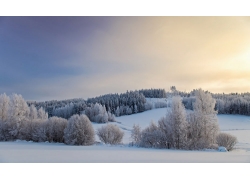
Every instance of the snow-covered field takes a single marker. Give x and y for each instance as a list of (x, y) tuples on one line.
[(22, 151)]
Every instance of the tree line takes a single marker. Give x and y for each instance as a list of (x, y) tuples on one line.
[(225, 103), (131, 102)]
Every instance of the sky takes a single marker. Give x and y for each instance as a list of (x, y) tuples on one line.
[(44, 58)]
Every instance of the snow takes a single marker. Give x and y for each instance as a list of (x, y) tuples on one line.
[(238, 125), (59, 153), (231, 122), (222, 149)]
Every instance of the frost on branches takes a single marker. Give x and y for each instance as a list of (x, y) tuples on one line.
[(181, 130), (79, 131)]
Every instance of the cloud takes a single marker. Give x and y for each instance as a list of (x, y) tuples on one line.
[(60, 58)]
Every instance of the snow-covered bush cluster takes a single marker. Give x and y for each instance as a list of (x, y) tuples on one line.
[(58, 108), (54, 129), (182, 130), (160, 104), (97, 113), (110, 134), (19, 121), (79, 131)]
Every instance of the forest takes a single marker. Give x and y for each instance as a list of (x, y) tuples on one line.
[(69, 121)]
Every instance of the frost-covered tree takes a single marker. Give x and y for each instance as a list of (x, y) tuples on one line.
[(79, 131), (65, 112), (110, 134), (123, 102), (160, 104), (128, 110), (111, 117), (148, 105), (18, 113), (117, 112), (33, 129), (136, 135), (55, 127), (135, 109), (33, 112), (176, 122), (4, 105), (153, 93), (39, 133), (203, 122), (42, 114), (20, 121), (97, 113), (151, 137)]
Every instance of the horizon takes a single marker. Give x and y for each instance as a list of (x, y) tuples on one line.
[(134, 90), (59, 58)]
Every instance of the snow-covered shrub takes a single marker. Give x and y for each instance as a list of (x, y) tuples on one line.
[(151, 136), (54, 128), (3, 131), (161, 104), (64, 112), (39, 131), (110, 134), (79, 131), (111, 117), (97, 113), (148, 106), (117, 112), (226, 140)]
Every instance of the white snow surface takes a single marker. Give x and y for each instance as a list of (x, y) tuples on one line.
[(238, 125)]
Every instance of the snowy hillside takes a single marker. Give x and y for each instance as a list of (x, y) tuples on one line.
[(22, 151)]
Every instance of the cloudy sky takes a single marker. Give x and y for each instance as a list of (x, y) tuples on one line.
[(45, 58)]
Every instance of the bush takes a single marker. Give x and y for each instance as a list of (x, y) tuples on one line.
[(161, 104), (55, 127), (151, 137), (79, 131), (110, 134), (226, 140), (97, 113), (148, 106)]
